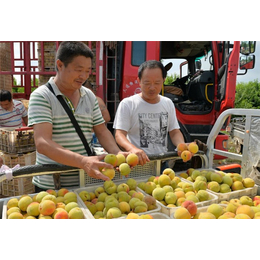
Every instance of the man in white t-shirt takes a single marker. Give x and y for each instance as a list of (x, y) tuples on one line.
[(143, 121), (12, 112)]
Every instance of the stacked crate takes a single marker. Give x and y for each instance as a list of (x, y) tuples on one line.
[(17, 147), (49, 53), (5, 65)]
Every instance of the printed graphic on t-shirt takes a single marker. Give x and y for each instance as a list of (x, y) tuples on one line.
[(153, 129)]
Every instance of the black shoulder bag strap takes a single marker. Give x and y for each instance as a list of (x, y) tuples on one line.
[(73, 120)]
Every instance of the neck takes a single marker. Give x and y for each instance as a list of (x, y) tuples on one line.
[(64, 89), (150, 101)]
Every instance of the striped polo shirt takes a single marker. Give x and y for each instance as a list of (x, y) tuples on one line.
[(13, 119), (45, 107)]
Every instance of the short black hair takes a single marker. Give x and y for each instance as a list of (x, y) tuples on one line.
[(5, 95), (68, 50), (151, 64)]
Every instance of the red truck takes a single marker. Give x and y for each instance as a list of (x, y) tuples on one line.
[(204, 89)]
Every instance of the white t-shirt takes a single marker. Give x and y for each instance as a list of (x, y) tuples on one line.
[(147, 125)]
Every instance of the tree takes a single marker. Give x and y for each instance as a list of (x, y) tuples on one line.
[(170, 79), (248, 95)]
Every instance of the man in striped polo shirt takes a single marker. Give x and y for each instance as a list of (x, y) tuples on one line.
[(55, 137), (12, 112)]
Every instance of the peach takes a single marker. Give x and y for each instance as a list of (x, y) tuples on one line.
[(40, 195), (132, 215), (13, 209), (132, 159), (113, 213), (132, 184), (193, 198), (237, 185), (180, 201), (170, 198), (184, 175), (47, 207), (76, 213), (158, 193), (15, 215), (60, 214), (111, 159), (33, 209), (120, 159), (12, 203), (248, 182), (182, 213), (100, 205), (182, 147), (180, 194), (61, 192), (214, 186), (186, 156), (193, 147), (242, 216), (122, 187), (149, 187), (169, 171), (52, 192), (124, 207), (164, 180), (84, 195), (110, 173), (124, 169), (24, 202), (216, 209), (50, 197), (60, 205), (245, 209), (190, 206), (215, 176), (70, 206), (69, 197), (206, 215)]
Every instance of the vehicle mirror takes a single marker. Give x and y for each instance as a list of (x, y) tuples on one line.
[(247, 47), (198, 64), (247, 62)]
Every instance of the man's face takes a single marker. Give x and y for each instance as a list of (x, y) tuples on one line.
[(151, 84), (7, 105), (76, 73)]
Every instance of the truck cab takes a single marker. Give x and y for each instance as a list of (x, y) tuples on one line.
[(205, 83)]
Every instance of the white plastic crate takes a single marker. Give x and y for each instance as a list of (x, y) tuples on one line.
[(251, 192), (169, 210), (93, 187), (17, 141), (155, 215), (11, 160), (18, 186), (137, 172), (201, 209), (4, 211)]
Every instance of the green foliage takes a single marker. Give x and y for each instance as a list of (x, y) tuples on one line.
[(248, 95), (170, 79)]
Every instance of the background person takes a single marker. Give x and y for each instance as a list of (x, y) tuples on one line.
[(101, 103), (55, 137), (12, 112), (143, 121)]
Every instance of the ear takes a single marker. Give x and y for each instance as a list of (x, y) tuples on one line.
[(59, 64), (138, 80)]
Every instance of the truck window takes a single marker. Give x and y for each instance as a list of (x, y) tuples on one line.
[(138, 52)]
